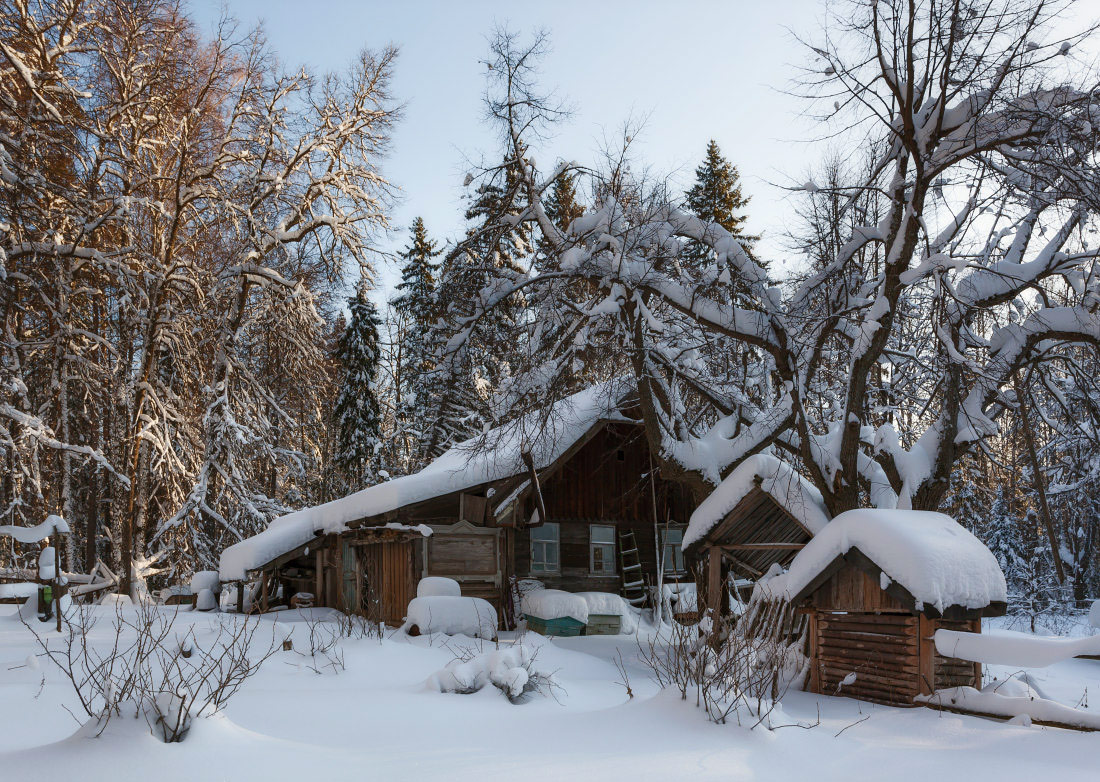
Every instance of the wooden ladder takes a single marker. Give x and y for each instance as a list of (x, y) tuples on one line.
[(631, 565)]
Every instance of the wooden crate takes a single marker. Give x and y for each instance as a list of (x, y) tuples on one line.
[(563, 627), (603, 624)]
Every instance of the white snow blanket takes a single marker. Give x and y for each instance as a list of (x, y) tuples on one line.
[(53, 525), (1019, 650), (555, 604), (205, 579), (205, 600), (790, 490), (21, 590), (450, 615), (1016, 703), (47, 564), (506, 668), (1094, 614), (610, 604), (932, 556), (431, 586), (492, 456)]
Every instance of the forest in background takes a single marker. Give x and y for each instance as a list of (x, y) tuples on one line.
[(189, 243)]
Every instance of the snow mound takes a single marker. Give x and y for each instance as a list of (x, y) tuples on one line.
[(492, 456), (790, 490), (612, 605), (929, 554), (1026, 707), (451, 615), (205, 579), (1094, 614), (433, 586), (205, 600), (555, 604)]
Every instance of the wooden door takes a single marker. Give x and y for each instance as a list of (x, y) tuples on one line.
[(389, 580)]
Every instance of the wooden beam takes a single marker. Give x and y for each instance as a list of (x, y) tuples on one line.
[(539, 503), (714, 581), (764, 547)]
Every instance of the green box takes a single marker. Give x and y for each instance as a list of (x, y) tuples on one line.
[(563, 627)]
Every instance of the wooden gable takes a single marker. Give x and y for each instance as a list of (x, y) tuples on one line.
[(758, 533)]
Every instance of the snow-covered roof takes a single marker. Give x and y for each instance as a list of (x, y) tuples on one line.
[(495, 455), (930, 555), (790, 490)]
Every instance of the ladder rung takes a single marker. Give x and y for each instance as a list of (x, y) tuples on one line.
[(632, 567), (632, 584), (630, 551)]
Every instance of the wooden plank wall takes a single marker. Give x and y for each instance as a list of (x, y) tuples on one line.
[(604, 483), (850, 589), (390, 580)]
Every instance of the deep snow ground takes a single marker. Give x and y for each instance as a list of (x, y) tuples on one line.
[(377, 719)]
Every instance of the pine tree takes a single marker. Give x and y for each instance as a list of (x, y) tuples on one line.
[(357, 411), (716, 197)]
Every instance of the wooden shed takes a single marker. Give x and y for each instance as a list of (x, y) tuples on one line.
[(370, 571), (876, 586), (761, 515)]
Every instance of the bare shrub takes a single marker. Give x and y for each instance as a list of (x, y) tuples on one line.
[(733, 672), (147, 670)]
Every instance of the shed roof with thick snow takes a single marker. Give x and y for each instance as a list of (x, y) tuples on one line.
[(924, 559), (498, 454), (762, 513)]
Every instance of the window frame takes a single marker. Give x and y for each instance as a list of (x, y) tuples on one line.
[(538, 566), (594, 544), (678, 552)]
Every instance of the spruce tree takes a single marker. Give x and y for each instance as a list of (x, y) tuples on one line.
[(717, 198), (357, 411), (417, 284), (416, 308), (462, 387), (562, 206)]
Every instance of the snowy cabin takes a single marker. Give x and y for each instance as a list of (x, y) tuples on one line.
[(761, 515), (876, 585), (472, 515)]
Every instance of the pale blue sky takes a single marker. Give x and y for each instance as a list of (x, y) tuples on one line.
[(696, 70)]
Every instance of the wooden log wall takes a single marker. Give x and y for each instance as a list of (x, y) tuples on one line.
[(950, 671), (882, 650)]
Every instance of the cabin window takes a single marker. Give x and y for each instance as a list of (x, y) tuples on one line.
[(601, 549), (545, 549), (672, 553)]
